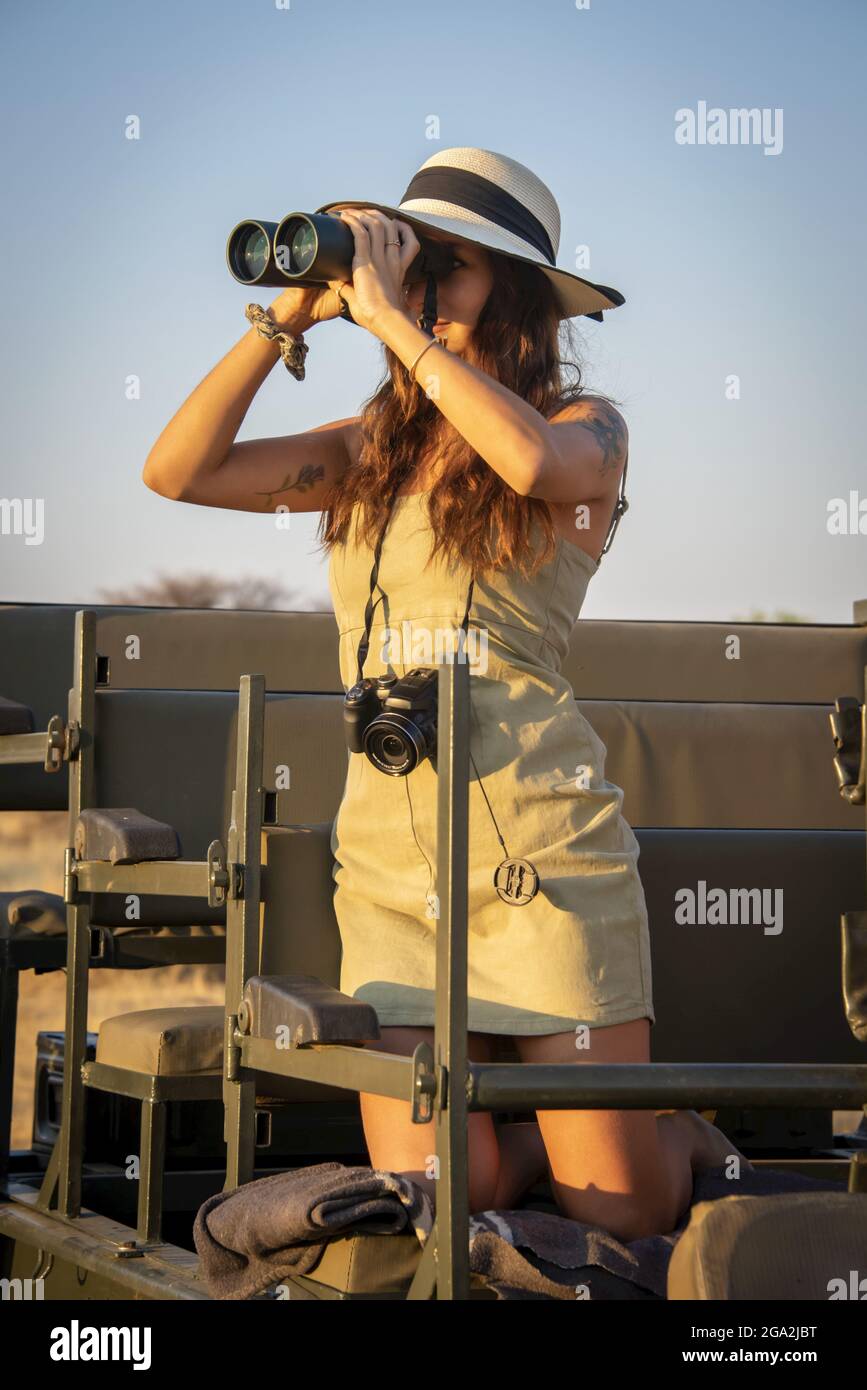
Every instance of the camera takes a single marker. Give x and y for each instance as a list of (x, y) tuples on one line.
[(393, 720), (311, 249)]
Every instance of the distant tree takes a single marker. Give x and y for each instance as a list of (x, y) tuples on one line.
[(782, 615), (205, 590)]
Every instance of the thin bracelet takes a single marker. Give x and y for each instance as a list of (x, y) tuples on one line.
[(433, 341)]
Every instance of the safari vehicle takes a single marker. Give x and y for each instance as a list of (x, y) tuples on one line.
[(201, 758)]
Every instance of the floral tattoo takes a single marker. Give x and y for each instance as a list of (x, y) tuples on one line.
[(308, 475)]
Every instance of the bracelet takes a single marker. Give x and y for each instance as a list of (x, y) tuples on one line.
[(441, 342), (293, 350)]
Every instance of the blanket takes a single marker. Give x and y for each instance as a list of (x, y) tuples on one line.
[(251, 1237), (255, 1235)]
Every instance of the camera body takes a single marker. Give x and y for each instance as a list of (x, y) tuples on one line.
[(393, 720)]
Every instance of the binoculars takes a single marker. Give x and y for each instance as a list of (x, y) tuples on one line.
[(311, 249)]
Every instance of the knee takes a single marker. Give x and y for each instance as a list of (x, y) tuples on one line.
[(625, 1217), (635, 1222)]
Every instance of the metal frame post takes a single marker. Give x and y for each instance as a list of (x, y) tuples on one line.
[(66, 1169), (244, 854), (443, 1269), (450, 1026)]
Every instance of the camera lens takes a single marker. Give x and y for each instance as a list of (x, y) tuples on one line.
[(389, 752), (395, 744), (250, 253), (296, 247)]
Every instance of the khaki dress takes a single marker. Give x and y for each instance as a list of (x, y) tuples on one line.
[(579, 951)]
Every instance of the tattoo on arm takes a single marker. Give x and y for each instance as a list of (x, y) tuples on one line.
[(307, 476), (609, 430)]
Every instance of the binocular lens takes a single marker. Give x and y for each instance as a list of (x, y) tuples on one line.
[(295, 248), (249, 253)]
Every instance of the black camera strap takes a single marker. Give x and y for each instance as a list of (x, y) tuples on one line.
[(428, 316), (516, 880), (370, 606), (364, 644), (425, 321)]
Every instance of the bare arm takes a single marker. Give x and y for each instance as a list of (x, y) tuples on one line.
[(195, 459), (505, 430)]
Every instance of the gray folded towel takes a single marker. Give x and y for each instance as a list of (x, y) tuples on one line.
[(251, 1237), (255, 1235)]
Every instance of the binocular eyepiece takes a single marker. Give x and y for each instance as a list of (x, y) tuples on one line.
[(311, 249)]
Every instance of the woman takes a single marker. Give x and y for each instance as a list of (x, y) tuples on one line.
[(472, 462)]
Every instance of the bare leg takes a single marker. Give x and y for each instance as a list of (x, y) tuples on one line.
[(688, 1142), (397, 1145), (506, 1159), (631, 1171), (708, 1146), (523, 1161)]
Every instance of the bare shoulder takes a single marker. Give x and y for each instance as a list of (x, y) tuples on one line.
[(587, 404), (605, 423), (596, 493)]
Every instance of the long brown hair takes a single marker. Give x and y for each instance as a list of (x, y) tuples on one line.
[(476, 517)]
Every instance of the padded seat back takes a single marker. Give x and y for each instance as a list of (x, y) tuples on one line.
[(718, 734), (699, 732), (299, 934)]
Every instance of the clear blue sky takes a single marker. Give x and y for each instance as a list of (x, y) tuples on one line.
[(732, 262)]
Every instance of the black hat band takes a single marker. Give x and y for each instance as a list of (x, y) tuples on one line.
[(481, 196)]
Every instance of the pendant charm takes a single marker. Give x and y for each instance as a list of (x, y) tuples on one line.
[(516, 881)]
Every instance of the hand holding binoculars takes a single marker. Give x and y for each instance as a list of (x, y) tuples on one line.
[(311, 249)]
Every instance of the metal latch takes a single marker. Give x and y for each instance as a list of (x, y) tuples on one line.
[(849, 731), (424, 1084), (218, 874), (61, 743)]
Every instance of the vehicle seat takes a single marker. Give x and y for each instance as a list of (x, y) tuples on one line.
[(783, 1247), (299, 935)]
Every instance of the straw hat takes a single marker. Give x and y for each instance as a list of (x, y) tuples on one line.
[(494, 201)]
